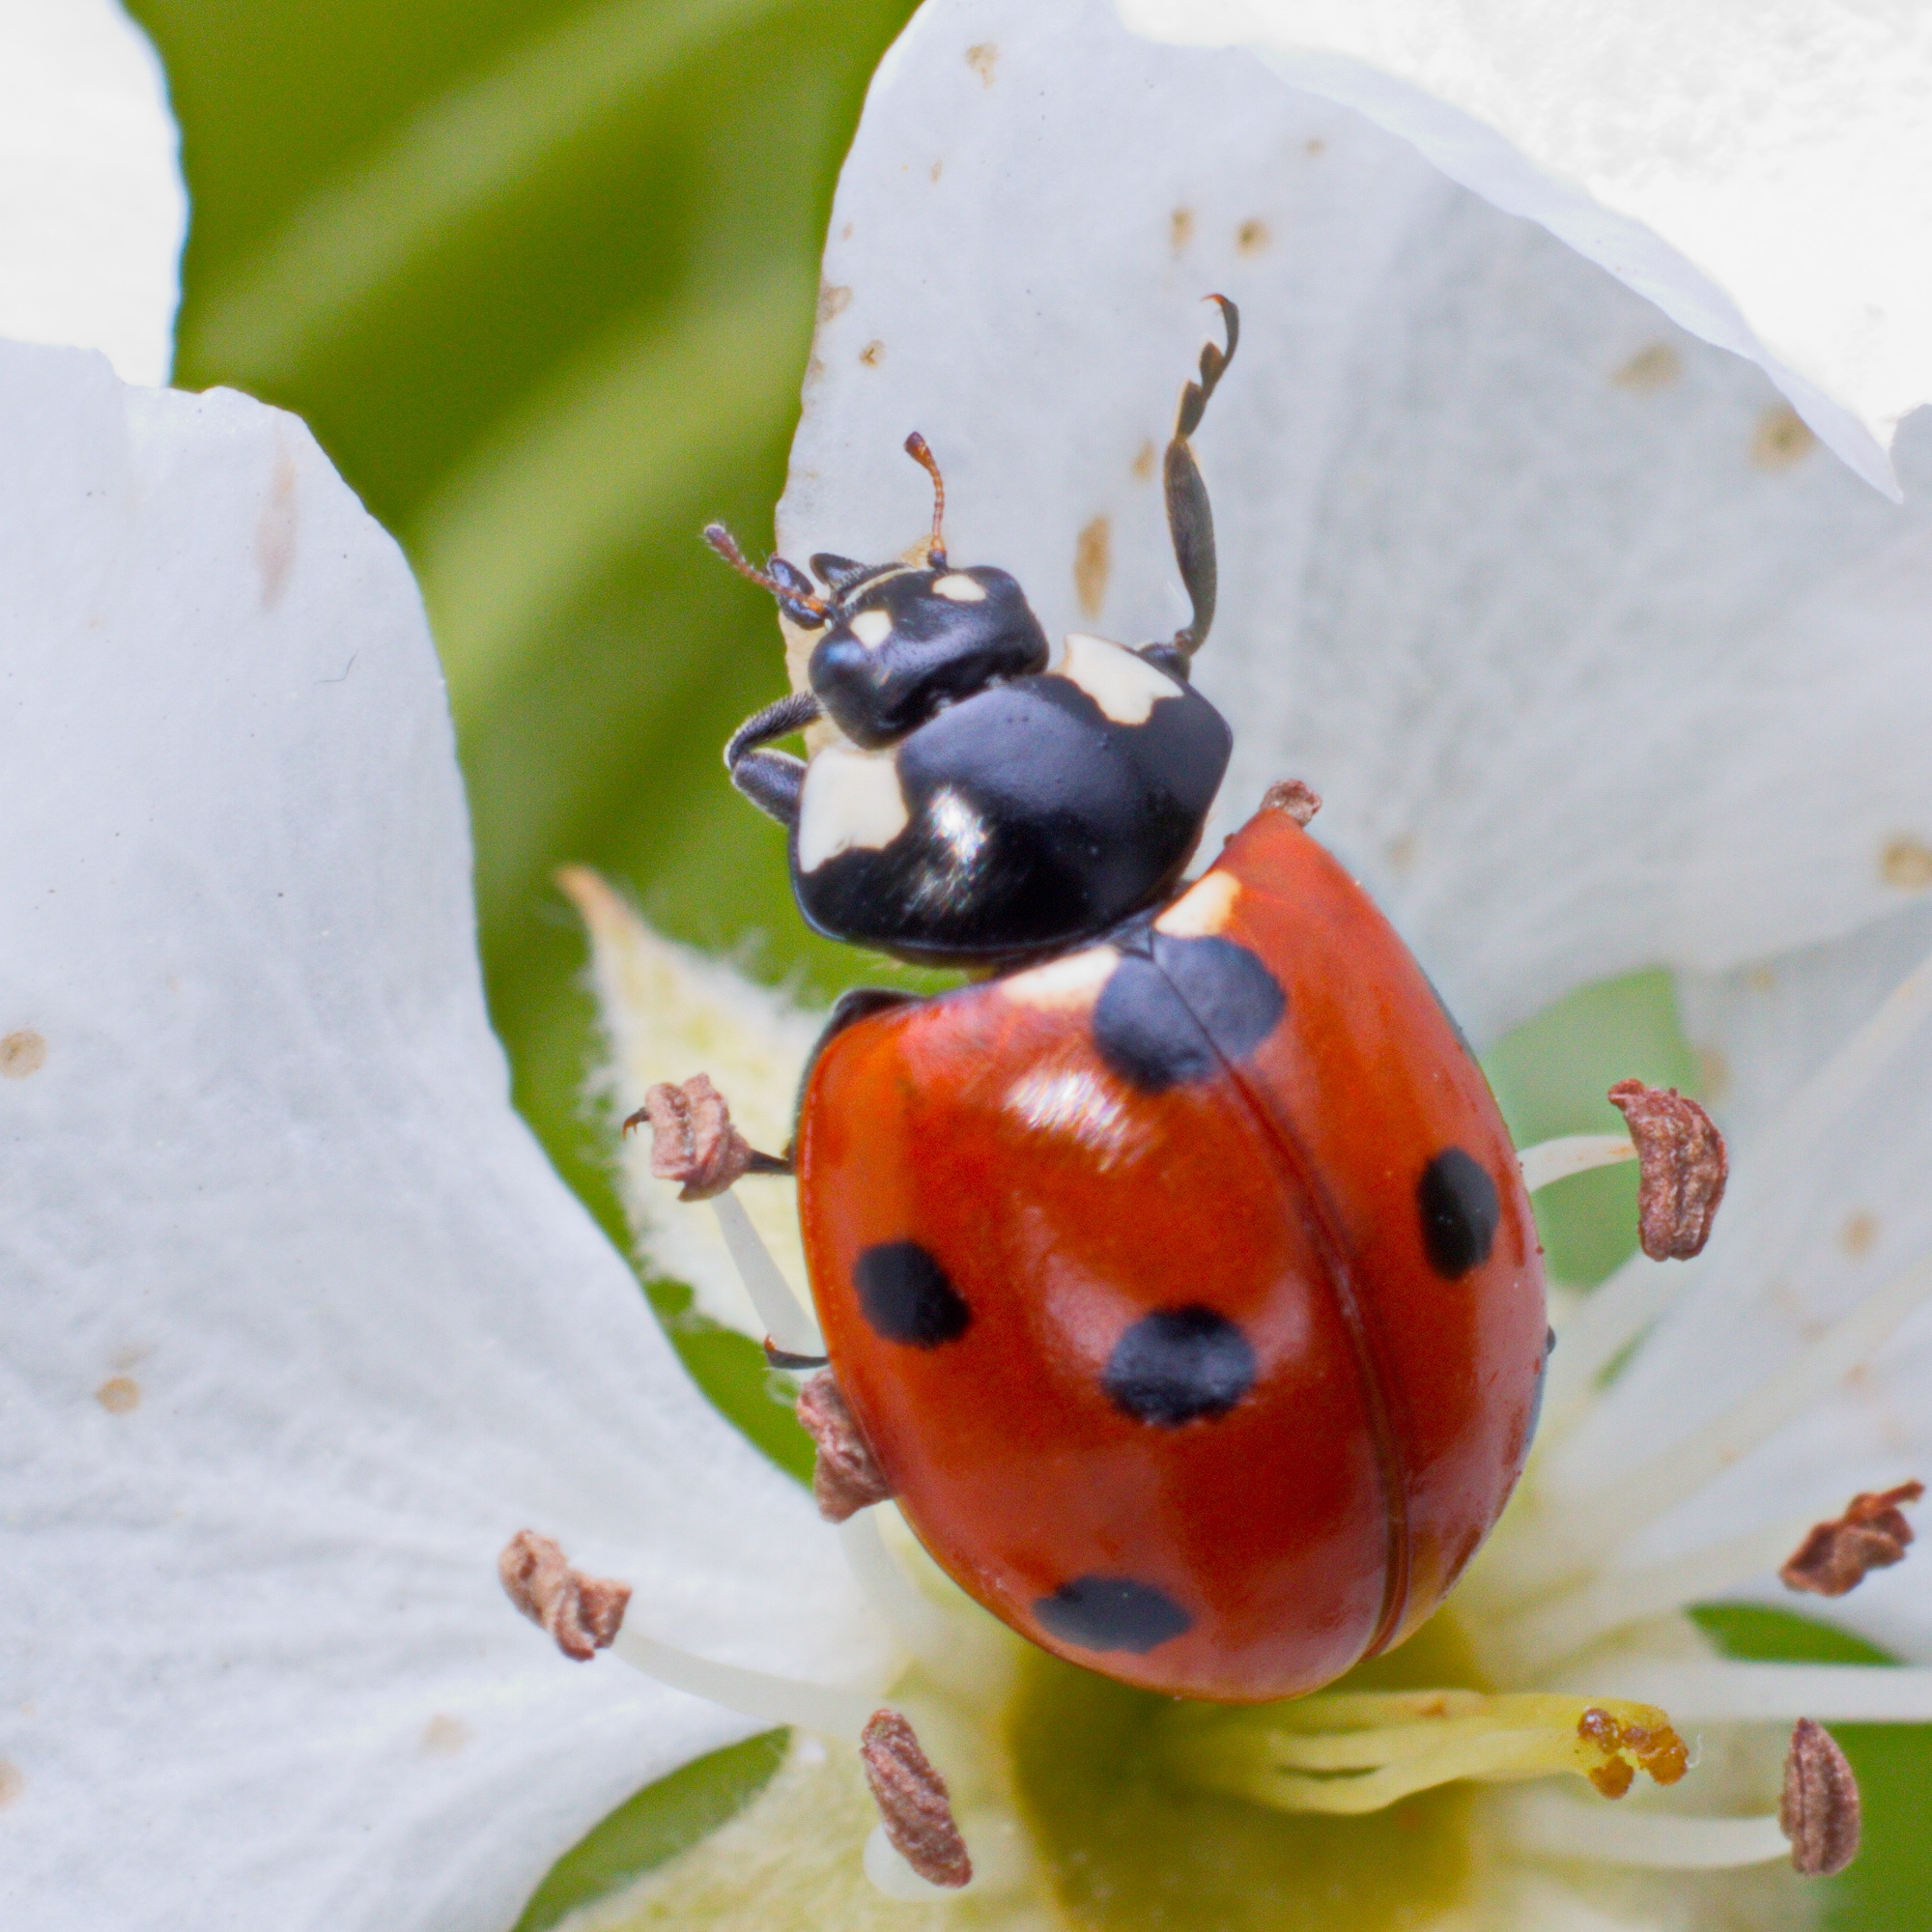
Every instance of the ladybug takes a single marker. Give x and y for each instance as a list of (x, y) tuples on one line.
[(1176, 1274)]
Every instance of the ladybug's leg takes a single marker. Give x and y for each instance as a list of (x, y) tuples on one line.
[(771, 780), (693, 1142), (1190, 519)]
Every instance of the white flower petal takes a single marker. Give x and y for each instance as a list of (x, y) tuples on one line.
[(299, 1326), (1594, 658), (91, 206), (1762, 1029), (672, 1012), (1763, 174)]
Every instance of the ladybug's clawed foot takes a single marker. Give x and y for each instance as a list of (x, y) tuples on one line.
[(693, 1142), (846, 1476), (1683, 1166)]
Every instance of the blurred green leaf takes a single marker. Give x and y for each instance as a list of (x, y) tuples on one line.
[(655, 1825), (380, 220)]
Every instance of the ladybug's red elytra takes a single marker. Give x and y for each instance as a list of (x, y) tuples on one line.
[(1176, 1274)]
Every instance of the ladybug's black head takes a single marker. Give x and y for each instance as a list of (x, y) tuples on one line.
[(902, 643)]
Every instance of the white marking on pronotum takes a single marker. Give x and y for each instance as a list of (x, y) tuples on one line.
[(1075, 981), (1126, 688), (960, 588), (871, 628), (852, 797), (1203, 910)]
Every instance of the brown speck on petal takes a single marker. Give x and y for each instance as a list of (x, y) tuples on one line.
[(22, 1053), (1838, 1555), (1681, 1154), (984, 60), (1782, 439), (581, 1613), (1654, 367), (118, 1395), (913, 1801), (693, 1141), (846, 1477), (1906, 863), (1819, 1809), (1093, 562), (1293, 797)]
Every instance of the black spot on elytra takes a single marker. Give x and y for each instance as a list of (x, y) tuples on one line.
[(1179, 1365), (1160, 1020), (1112, 1613), (1459, 1210), (906, 1296)]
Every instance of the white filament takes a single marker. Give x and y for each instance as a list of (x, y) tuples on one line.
[(1614, 1598), (770, 1699), (1611, 1511), (1574, 1154), (1564, 1828), (787, 1320), (920, 1625)]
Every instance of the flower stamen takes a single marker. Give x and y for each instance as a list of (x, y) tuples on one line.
[(1838, 1555), (581, 1613), (1819, 1810), (914, 1804), (845, 1474), (1684, 1164), (1350, 1752), (695, 1143)]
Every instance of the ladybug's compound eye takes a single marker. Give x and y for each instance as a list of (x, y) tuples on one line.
[(913, 641)]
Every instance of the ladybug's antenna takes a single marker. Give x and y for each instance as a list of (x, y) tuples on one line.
[(784, 580), (1190, 523), (917, 448)]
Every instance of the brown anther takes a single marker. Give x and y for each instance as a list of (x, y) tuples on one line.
[(1838, 1555), (1819, 1809), (1614, 1778), (1681, 1156), (846, 1477), (581, 1613), (913, 1801), (1293, 797), (693, 1141)]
